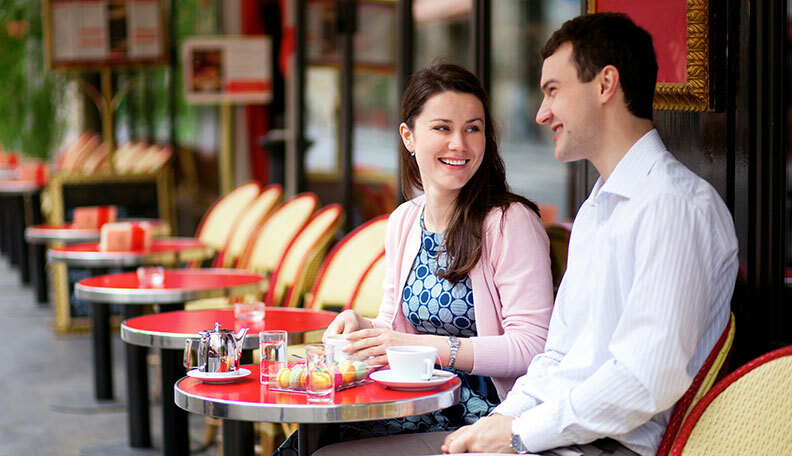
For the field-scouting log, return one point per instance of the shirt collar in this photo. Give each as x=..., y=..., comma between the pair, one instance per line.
x=633, y=167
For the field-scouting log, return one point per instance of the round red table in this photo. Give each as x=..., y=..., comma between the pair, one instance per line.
x=249, y=400
x=163, y=251
x=69, y=234
x=170, y=330
x=179, y=286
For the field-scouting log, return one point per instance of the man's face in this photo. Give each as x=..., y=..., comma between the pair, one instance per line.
x=569, y=107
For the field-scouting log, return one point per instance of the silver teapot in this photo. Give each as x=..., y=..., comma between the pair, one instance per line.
x=219, y=350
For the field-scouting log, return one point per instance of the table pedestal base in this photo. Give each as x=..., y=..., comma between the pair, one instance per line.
x=119, y=448
x=85, y=403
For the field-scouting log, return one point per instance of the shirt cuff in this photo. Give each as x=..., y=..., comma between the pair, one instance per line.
x=537, y=431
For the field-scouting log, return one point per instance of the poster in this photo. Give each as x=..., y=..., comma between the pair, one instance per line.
x=228, y=70
x=86, y=34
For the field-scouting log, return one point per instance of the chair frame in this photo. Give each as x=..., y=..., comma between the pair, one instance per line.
x=701, y=407
x=216, y=202
x=714, y=368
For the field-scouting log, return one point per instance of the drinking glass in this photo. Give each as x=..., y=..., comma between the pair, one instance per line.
x=250, y=311
x=272, y=345
x=151, y=276
x=319, y=364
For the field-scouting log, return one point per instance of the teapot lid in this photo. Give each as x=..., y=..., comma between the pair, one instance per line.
x=216, y=330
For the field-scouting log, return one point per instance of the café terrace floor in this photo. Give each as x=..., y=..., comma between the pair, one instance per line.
x=41, y=368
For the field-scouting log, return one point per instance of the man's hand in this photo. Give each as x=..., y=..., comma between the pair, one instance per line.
x=491, y=434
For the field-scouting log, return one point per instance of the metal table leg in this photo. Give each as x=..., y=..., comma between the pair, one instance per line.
x=175, y=430
x=138, y=413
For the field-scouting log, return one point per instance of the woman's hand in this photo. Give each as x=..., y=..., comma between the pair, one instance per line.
x=373, y=342
x=346, y=322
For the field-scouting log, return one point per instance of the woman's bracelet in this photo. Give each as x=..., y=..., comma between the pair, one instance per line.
x=453, y=342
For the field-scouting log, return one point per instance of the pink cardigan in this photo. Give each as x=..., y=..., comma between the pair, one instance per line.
x=512, y=288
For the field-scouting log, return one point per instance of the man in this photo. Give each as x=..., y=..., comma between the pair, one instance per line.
x=650, y=272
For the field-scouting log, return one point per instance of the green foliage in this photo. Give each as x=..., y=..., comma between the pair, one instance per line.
x=30, y=97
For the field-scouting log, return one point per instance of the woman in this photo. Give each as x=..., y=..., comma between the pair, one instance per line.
x=467, y=262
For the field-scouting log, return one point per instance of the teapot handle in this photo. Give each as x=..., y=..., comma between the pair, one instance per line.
x=188, y=353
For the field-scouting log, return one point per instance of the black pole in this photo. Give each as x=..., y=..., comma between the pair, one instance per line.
x=404, y=66
x=346, y=36
x=481, y=24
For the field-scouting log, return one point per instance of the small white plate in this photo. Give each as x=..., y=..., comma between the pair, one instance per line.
x=390, y=379
x=218, y=377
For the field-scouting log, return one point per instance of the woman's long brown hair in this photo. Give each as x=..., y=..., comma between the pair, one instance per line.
x=486, y=190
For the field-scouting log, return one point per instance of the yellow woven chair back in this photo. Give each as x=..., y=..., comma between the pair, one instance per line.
x=220, y=219
x=346, y=264
x=712, y=369
x=246, y=224
x=275, y=233
x=368, y=295
x=303, y=257
x=747, y=413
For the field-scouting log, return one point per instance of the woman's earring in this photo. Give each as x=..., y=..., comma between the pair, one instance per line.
x=412, y=153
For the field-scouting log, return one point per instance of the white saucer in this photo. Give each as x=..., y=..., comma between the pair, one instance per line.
x=218, y=377
x=388, y=378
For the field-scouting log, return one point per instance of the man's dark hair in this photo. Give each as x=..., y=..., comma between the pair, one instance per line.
x=603, y=39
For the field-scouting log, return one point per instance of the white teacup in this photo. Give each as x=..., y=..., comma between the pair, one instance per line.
x=412, y=363
x=337, y=341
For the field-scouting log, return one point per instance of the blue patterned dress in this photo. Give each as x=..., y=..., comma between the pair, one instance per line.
x=432, y=305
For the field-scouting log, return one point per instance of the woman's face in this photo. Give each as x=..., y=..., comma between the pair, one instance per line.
x=448, y=141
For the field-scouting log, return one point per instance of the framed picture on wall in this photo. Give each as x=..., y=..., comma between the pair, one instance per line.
x=680, y=30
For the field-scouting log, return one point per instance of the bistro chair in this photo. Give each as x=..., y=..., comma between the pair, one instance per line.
x=346, y=264
x=269, y=242
x=714, y=368
x=221, y=217
x=747, y=413
x=368, y=294
x=247, y=223
x=266, y=246
x=303, y=257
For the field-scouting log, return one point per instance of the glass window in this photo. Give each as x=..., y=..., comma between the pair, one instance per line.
x=519, y=29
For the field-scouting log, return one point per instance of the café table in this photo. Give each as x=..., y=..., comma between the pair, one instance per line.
x=178, y=287
x=168, y=331
x=248, y=400
x=15, y=195
x=66, y=233
x=164, y=251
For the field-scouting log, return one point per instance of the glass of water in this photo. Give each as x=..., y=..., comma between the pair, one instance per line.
x=319, y=365
x=249, y=311
x=272, y=345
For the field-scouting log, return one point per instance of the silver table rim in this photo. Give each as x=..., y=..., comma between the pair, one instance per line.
x=313, y=413
x=127, y=259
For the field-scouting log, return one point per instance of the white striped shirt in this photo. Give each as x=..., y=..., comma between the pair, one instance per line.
x=651, y=269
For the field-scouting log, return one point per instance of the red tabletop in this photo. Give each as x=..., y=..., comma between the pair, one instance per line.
x=171, y=329
x=163, y=250
x=179, y=286
x=249, y=400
